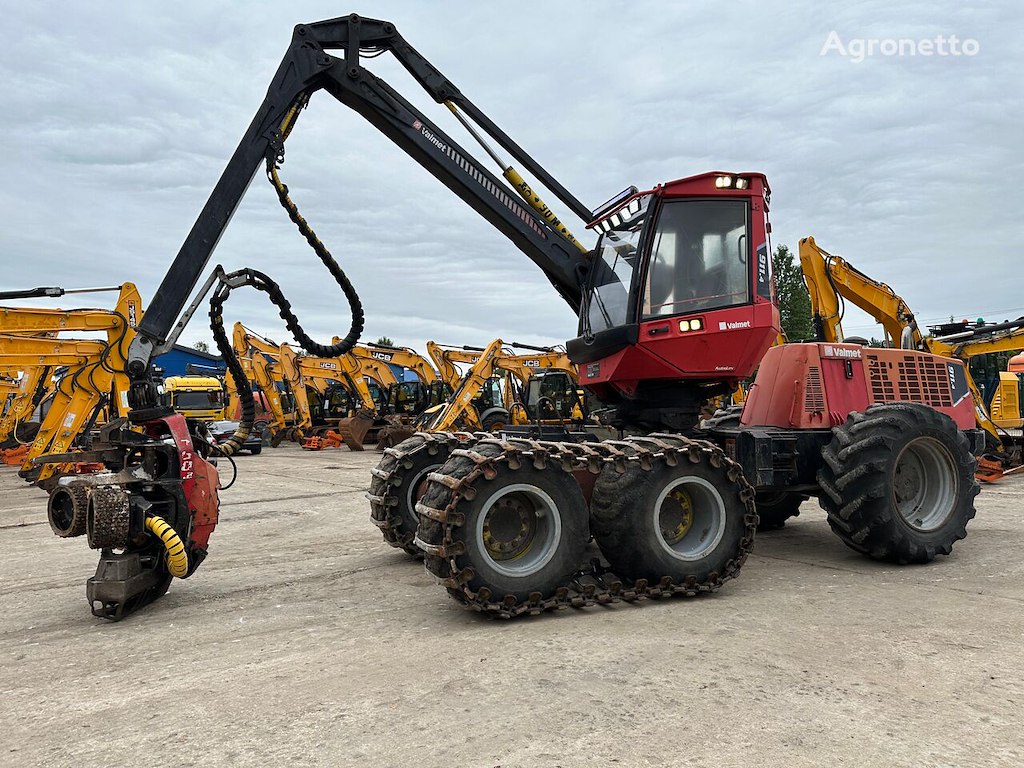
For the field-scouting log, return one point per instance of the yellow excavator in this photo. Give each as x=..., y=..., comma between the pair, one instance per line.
x=24, y=389
x=17, y=392
x=408, y=399
x=322, y=375
x=257, y=357
x=500, y=400
x=402, y=401
x=347, y=393
x=95, y=383
x=504, y=387
x=446, y=356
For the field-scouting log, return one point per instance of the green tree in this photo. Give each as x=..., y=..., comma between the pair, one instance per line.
x=201, y=346
x=794, y=300
x=384, y=341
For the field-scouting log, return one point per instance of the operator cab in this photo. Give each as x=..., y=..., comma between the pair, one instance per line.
x=681, y=285
x=553, y=395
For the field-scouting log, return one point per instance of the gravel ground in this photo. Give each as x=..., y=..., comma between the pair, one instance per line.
x=305, y=640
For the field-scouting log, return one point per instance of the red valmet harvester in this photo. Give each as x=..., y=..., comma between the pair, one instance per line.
x=676, y=306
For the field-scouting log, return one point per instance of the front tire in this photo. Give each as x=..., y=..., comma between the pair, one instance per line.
x=524, y=531
x=774, y=508
x=397, y=483
x=898, y=483
x=688, y=522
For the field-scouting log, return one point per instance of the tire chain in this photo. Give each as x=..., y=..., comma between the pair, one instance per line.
x=592, y=585
x=388, y=475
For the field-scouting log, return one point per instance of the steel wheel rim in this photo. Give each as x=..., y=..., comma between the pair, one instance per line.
x=518, y=530
x=411, y=495
x=924, y=484
x=695, y=538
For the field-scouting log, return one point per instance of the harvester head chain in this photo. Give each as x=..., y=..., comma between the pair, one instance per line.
x=109, y=522
x=594, y=583
x=80, y=493
x=390, y=473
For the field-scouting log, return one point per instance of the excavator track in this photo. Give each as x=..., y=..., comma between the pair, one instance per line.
x=442, y=511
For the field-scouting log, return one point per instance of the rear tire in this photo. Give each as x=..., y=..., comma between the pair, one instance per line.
x=256, y=449
x=774, y=508
x=495, y=422
x=898, y=483
x=687, y=521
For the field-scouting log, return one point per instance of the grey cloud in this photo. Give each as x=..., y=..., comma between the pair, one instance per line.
x=123, y=117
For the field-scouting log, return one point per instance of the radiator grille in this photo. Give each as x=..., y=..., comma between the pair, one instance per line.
x=910, y=378
x=814, y=393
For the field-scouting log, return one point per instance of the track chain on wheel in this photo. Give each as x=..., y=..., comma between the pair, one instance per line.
x=594, y=584
x=80, y=493
x=390, y=474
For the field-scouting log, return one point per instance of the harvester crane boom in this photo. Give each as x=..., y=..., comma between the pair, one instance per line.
x=307, y=67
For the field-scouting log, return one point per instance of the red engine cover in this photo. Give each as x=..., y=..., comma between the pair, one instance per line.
x=815, y=386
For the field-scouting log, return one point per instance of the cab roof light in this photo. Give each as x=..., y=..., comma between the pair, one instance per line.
x=615, y=201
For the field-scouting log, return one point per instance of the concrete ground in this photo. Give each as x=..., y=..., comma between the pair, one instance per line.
x=305, y=640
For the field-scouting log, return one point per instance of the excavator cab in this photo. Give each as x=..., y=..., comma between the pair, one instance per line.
x=680, y=287
x=553, y=395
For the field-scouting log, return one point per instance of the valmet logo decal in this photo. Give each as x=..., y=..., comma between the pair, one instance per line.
x=846, y=353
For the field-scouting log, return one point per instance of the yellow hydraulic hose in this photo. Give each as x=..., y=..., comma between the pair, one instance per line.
x=177, y=559
x=526, y=192
x=519, y=184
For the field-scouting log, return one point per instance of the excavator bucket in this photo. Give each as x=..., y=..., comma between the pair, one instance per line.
x=353, y=430
x=393, y=433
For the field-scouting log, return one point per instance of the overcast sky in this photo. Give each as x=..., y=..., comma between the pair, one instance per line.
x=119, y=117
